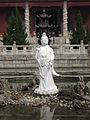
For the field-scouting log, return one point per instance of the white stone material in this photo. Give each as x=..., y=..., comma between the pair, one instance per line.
x=65, y=23
x=45, y=59
x=27, y=20
x=24, y=50
x=63, y=49
x=82, y=48
x=14, y=48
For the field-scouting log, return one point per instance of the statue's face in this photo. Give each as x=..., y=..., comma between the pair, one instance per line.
x=44, y=40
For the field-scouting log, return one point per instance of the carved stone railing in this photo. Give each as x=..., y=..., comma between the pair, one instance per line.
x=17, y=49
x=30, y=49
x=70, y=49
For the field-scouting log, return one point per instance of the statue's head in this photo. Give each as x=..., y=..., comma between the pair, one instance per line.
x=44, y=39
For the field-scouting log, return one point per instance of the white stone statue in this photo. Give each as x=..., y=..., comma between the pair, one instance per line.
x=45, y=59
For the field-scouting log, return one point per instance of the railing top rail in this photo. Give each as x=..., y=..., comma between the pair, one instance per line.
x=8, y=46
x=74, y=45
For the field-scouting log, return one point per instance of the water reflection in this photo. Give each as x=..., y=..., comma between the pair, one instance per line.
x=54, y=112
x=46, y=113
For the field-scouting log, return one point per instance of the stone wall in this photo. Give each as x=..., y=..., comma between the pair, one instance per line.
x=72, y=65
x=25, y=65
x=18, y=60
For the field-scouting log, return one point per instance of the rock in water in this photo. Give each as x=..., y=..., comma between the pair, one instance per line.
x=4, y=92
x=88, y=85
x=76, y=104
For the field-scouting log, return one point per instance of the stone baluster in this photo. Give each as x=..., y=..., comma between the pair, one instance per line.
x=71, y=50
x=24, y=50
x=82, y=48
x=14, y=50
x=4, y=50
x=27, y=20
x=65, y=23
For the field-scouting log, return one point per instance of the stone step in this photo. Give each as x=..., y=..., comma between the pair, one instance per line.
x=31, y=76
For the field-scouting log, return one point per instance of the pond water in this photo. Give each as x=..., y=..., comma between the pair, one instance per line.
x=21, y=112
x=42, y=113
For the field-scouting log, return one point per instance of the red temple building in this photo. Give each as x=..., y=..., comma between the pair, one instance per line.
x=63, y=13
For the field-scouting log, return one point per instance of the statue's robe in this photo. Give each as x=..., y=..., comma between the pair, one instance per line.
x=45, y=59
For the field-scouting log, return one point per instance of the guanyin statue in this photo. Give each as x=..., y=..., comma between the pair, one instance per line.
x=45, y=60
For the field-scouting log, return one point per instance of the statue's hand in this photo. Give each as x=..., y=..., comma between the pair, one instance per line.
x=50, y=62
